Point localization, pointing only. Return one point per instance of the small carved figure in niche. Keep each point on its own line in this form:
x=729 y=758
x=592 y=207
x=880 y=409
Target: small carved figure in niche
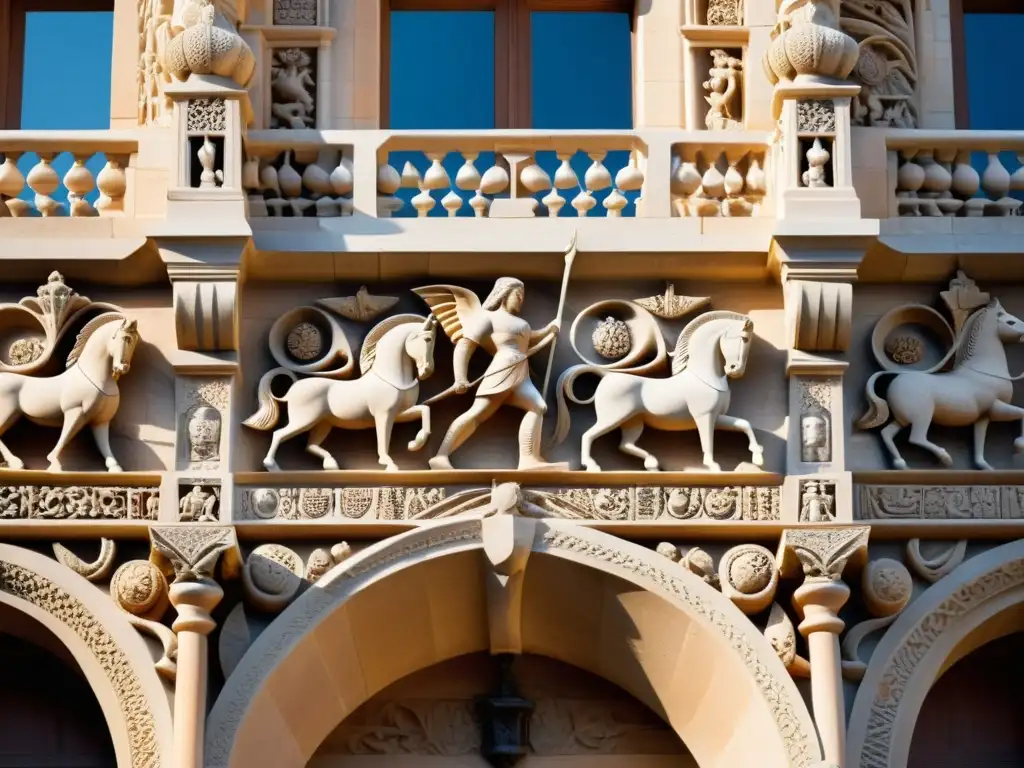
x=397 y=354
x=976 y=389
x=204 y=434
x=85 y=394
x=723 y=89
x=814 y=437
x=816 y=506
x=198 y=506
x=294 y=89
x=712 y=349
x=211 y=177
x=817 y=160
x=495 y=325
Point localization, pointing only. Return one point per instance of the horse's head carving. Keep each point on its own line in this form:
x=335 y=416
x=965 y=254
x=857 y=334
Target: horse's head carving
x=1009 y=327
x=420 y=347
x=122 y=346
x=735 y=346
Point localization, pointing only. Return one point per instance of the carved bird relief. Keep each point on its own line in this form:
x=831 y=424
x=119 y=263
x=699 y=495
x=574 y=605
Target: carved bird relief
x=669 y=306
x=363 y=307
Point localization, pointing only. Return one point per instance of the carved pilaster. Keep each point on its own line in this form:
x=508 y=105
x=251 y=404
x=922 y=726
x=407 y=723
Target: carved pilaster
x=821 y=556
x=192 y=553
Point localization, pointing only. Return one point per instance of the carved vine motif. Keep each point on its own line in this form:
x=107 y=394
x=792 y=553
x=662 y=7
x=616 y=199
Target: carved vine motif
x=937 y=502
x=207 y=116
x=887 y=66
x=816 y=116
x=78 y=503
x=795 y=738
x=725 y=13
x=138 y=717
x=892 y=685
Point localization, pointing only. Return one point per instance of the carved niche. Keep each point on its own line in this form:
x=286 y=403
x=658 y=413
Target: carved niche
x=937 y=367
x=30 y=333
x=202 y=434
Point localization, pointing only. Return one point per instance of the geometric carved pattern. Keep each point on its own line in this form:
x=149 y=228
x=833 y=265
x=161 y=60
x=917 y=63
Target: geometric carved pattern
x=938 y=502
x=39 y=591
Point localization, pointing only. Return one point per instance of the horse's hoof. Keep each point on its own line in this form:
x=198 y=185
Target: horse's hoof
x=420 y=441
x=271 y=465
x=946 y=459
x=390 y=467
x=651 y=464
x=440 y=462
x=899 y=464
x=115 y=467
x=713 y=467
x=984 y=465
x=15 y=464
x=331 y=464
x=592 y=467
x=758 y=458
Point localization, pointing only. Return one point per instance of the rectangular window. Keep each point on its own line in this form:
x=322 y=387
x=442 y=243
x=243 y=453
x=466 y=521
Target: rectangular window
x=56 y=57
x=551 y=63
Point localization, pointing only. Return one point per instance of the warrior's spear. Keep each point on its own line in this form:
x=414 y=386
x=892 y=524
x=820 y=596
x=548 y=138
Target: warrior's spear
x=570 y=256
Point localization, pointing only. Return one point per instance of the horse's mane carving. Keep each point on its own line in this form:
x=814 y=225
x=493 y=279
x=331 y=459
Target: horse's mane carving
x=681 y=355
x=368 y=353
x=969 y=336
x=87 y=331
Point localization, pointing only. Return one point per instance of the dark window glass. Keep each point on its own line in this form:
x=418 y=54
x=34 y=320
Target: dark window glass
x=442 y=69
x=581 y=70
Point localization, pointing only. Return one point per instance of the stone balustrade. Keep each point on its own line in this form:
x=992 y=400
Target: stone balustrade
x=955 y=173
x=507 y=173
x=65 y=173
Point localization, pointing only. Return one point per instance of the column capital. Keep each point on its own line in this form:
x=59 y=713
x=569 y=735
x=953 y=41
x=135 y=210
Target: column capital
x=822 y=553
x=192 y=552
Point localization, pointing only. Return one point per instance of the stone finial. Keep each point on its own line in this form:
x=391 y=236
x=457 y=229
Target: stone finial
x=808 y=44
x=209 y=44
x=822 y=554
x=193 y=551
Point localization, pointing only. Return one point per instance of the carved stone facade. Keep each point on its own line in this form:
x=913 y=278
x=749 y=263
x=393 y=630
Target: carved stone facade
x=768 y=429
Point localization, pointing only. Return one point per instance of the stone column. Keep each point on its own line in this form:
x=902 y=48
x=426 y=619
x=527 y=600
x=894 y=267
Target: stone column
x=192 y=553
x=823 y=555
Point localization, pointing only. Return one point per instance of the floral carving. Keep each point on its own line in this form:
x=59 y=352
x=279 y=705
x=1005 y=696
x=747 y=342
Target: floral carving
x=206 y=116
x=816 y=116
x=39 y=591
x=74 y=502
x=724 y=13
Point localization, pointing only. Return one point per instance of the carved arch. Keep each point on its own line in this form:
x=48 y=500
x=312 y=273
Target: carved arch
x=611 y=607
x=111 y=655
x=971 y=606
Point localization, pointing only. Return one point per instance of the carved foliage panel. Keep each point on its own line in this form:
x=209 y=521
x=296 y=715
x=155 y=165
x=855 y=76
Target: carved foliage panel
x=75 y=502
x=937 y=502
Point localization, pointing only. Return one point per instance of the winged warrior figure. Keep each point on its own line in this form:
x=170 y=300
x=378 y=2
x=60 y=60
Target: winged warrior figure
x=496 y=326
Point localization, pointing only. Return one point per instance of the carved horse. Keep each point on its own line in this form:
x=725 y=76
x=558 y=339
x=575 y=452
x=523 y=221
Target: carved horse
x=975 y=392
x=396 y=355
x=712 y=349
x=86 y=393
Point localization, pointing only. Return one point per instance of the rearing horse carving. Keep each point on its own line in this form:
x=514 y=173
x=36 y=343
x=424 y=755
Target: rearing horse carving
x=711 y=349
x=86 y=393
x=975 y=392
x=397 y=354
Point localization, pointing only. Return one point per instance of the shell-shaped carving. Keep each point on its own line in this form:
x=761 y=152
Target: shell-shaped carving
x=623 y=331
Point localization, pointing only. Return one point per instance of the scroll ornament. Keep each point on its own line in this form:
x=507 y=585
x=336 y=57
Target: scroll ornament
x=711 y=350
x=968 y=385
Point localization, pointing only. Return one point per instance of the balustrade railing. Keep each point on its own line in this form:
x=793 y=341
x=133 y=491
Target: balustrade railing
x=956 y=173
x=64 y=173
x=723 y=176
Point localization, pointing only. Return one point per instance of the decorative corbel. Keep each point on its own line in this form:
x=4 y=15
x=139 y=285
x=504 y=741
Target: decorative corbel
x=508 y=529
x=205 y=306
x=191 y=553
x=822 y=555
x=819 y=315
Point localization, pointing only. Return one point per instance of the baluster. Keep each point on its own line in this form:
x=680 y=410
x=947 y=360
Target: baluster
x=735 y=204
x=565 y=178
x=11 y=185
x=536 y=180
x=756 y=183
x=910 y=180
x=494 y=181
x=78 y=182
x=595 y=179
x=389 y=181
x=435 y=178
x=319 y=183
x=684 y=183
x=468 y=180
x=628 y=179
x=712 y=189
x=966 y=181
x=948 y=204
x=342 y=183
x=995 y=182
x=43 y=180
x=937 y=181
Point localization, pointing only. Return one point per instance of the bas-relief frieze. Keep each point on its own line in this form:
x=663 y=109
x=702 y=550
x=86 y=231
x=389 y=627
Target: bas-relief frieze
x=75 y=502
x=641 y=503
x=938 y=502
